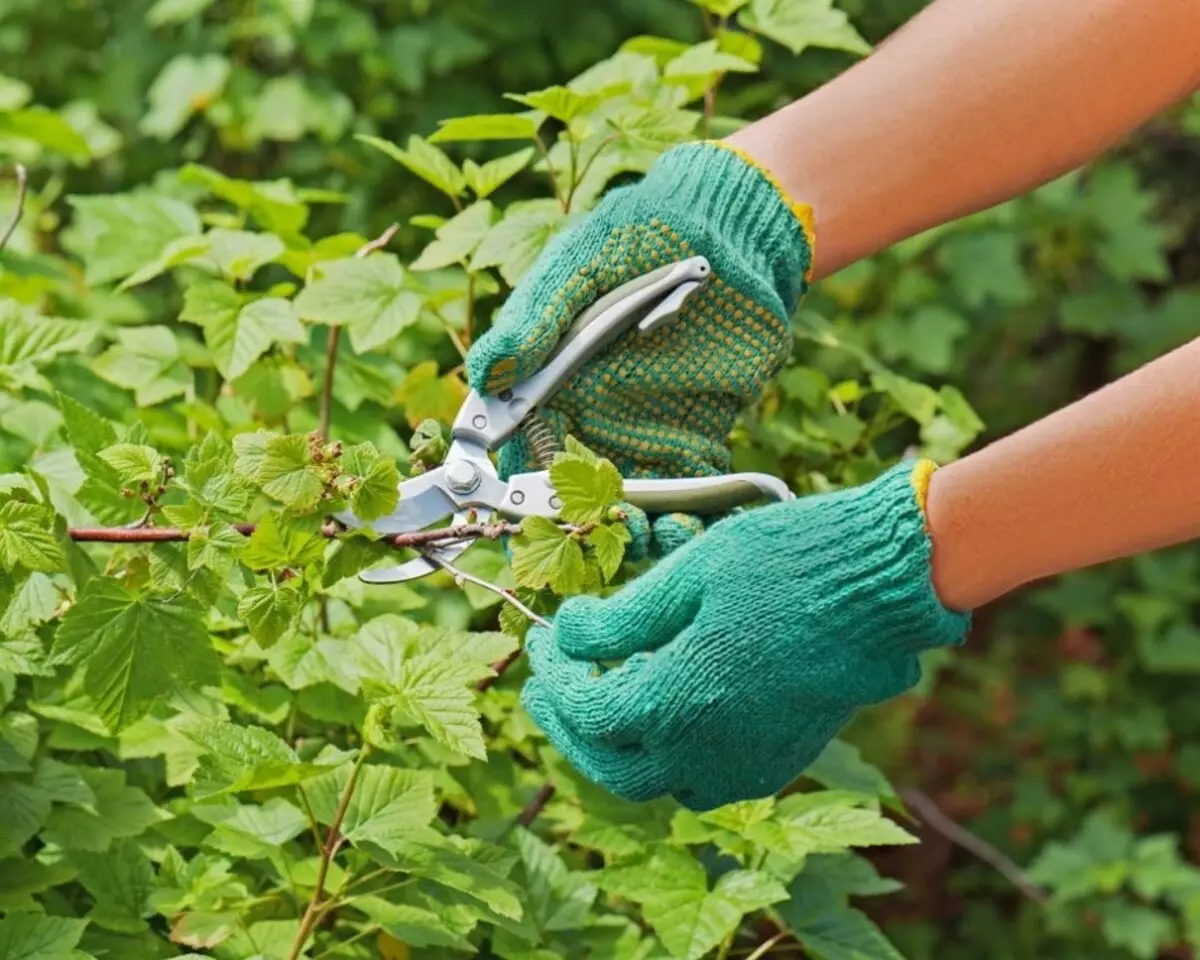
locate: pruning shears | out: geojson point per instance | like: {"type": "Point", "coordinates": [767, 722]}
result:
{"type": "Point", "coordinates": [466, 487]}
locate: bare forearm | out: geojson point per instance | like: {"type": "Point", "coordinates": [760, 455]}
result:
{"type": "Point", "coordinates": [972, 103]}
{"type": "Point", "coordinates": [1114, 474]}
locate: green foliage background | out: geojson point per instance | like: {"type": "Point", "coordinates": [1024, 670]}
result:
{"type": "Point", "coordinates": [179, 723]}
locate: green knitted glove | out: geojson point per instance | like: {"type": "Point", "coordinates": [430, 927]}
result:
{"type": "Point", "coordinates": [661, 404]}
{"type": "Point", "coordinates": [748, 649]}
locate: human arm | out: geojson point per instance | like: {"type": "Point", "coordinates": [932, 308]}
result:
{"type": "Point", "coordinates": [1114, 474]}
{"type": "Point", "coordinates": [971, 103]}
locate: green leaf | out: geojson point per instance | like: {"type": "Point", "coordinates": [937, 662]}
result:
{"type": "Point", "coordinates": [705, 59]}
{"type": "Point", "coordinates": [26, 809]}
{"type": "Point", "coordinates": [516, 241]}
{"type": "Point", "coordinates": [609, 542]}
{"type": "Point", "coordinates": [986, 266]}
{"type": "Point", "coordinates": [377, 490]}
{"type": "Point", "coordinates": [120, 882]}
{"type": "Point", "coordinates": [47, 129]}
{"type": "Point", "coordinates": [118, 811]}
{"type": "Point", "coordinates": [27, 538]}
{"type": "Point", "coordinates": [387, 803]}
{"type": "Point", "coordinates": [545, 555]}
{"type": "Point", "coordinates": [427, 396]}
{"type": "Point", "coordinates": [31, 936]}
{"type": "Point", "coordinates": [251, 830]}
{"type": "Point", "coordinates": [562, 103]}
{"type": "Point", "coordinates": [1140, 930]}
{"type": "Point", "coordinates": [117, 234]}
{"type": "Point", "coordinates": [915, 399]}
{"type": "Point", "coordinates": [136, 463]}
{"type": "Point", "coordinates": [840, 767]}
{"type": "Point", "coordinates": [425, 160]}
{"type": "Point", "coordinates": [237, 332]}
{"type": "Point", "coordinates": [238, 758]}
{"type": "Point", "coordinates": [282, 466]}
{"type": "Point", "coordinates": [488, 126]}
{"type": "Point", "coordinates": [148, 361]}
{"type": "Point", "coordinates": [797, 24]}
{"type": "Point", "coordinates": [722, 8]}
{"type": "Point", "coordinates": [278, 542]}
{"type": "Point", "coordinates": [433, 691]}
{"type": "Point", "coordinates": [29, 342]}
{"type": "Point", "coordinates": [186, 85]}
{"type": "Point", "coordinates": [18, 742]}
{"type": "Point", "coordinates": [587, 489]}
{"type": "Point", "coordinates": [486, 179]}
{"type": "Point", "coordinates": [271, 610]}
{"type": "Point", "coordinates": [368, 295]}
{"type": "Point", "coordinates": [841, 933]}
{"type": "Point", "coordinates": [558, 899]}
{"type": "Point", "coordinates": [175, 11]}
{"type": "Point", "coordinates": [239, 253]}
{"type": "Point", "coordinates": [133, 649]}
{"type": "Point", "coordinates": [457, 238]}
{"type": "Point", "coordinates": [673, 890]}
{"type": "Point", "coordinates": [826, 822]}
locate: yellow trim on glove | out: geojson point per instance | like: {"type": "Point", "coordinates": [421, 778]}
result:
{"type": "Point", "coordinates": [802, 211]}
{"type": "Point", "coordinates": [921, 475]}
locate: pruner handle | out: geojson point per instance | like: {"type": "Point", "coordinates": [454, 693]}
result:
{"type": "Point", "coordinates": [648, 301]}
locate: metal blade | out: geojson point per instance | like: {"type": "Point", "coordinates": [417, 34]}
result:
{"type": "Point", "coordinates": [421, 567]}
{"type": "Point", "coordinates": [422, 502]}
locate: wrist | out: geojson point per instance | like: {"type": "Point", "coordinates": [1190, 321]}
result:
{"type": "Point", "coordinates": [967, 570]}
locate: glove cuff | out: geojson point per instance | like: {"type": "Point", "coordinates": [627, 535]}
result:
{"type": "Point", "coordinates": [729, 192]}
{"type": "Point", "coordinates": [880, 562]}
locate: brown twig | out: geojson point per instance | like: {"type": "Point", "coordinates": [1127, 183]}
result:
{"type": "Point", "coordinates": [938, 821]}
{"type": "Point", "coordinates": [333, 843]}
{"type": "Point", "coordinates": [19, 212]}
{"type": "Point", "coordinates": [418, 538]}
{"type": "Point", "coordinates": [335, 336]}
{"type": "Point", "coordinates": [536, 805]}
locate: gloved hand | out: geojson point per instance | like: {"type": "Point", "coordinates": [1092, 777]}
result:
{"type": "Point", "coordinates": [746, 650]}
{"type": "Point", "coordinates": [661, 404]}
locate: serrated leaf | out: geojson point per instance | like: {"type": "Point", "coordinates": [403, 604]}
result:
{"type": "Point", "coordinates": [386, 805]}
{"type": "Point", "coordinates": [237, 332]}
{"type": "Point", "coordinates": [135, 462]}
{"type": "Point", "coordinates": [486, 126]}
{"type": "Point", "coordinates": [433, 691]}
{"type": "Point", "coordinates": [133, 649]}
{"type": "Point", "coordinates": [827, 822]}
{"type": "Point", "coordinates": [378, 488]}
{"type": "Point", "coordinates": [18, 742]}
{"type": "Point", "coordinates": [515, 242]}
{"type": "Point", "coordinates": [251, 830]}
{"type": "Point", "coordinates": [282, 466]}
{"type": "Point", "coordinates": [797, 24]}
{"type": "Point", "coordinates": [840, 767]}
{"type": "Point", "coordinates": [120, 882]}
{"type": "Point", "coordinates": [609, 542]}
{"type": "Point", "coordinates": [705, 59]}
{"type": "Point", "coordinates": [457, 238]}
{"type": "Point", "coordinates": [558, 899]}
{"type": "Point", "coordinates": [544, 555]}
{"type": "Point", "coordinates": [562, 103]}
{"type": "Point", "coordinates": [367, 295]}
{"type": "Point", "coordinates": [427, 396]}
{"type": "Point", "coordinates": [486, 179]}
{"type": "Point", "coordinates": [32, 936]}
{"type": "Point", "coordinates": [587, 488]}
{"type": "Point", "coordinates": [118, 811]}
{"type": "Point", "coordinates": [238, 757]}
{"type": "Point", "coordinates": [28, 342]}
{"type": "Point", "coordinates": [690, 919]}
{"type": "Point", "coordinates": [116, 234]}
{"type": "Point", "coordinates": [841, 933]}
{"type": "Point", "coordinates": [148, 361]}
{"type": "Point", "coordinates": [425, 160]}
{"type": "Point", "coordinates": [27, 538]}
{"type": "Point", "coordinates": [278, 542]}
{"type": "Point", "coordinates": [239, 253]}
{"type": "Point", "coordinates": [270, 610]}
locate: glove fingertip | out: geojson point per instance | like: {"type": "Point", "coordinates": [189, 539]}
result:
{"type": "Point", "coordinates": [673, 530]}
{"type": "Point", "coordinates": [638, 525]}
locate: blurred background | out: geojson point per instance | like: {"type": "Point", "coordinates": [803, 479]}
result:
{"type": "Point", "coordinates": [1067, 734]}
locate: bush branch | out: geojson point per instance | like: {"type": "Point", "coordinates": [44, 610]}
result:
{"type": "Point", "coordinates": [418, 538]}
{"type": "Point", "coordinates": [939, 822]}
{"type": "Point", "coordinates": [506, 595]}
{"type": "Point", "coordinates": [335, 336]}
{"type": "Point", "coordinates": [19, 212]}
{"type": "Point", "coordinates": [333, 843]}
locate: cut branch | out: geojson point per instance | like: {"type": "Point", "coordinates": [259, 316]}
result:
{"type": "Point", "coordinates": [335, 336]}
{"type": "Point", "coordinates": [506, 595]}
{"type": "Point", "coordinates": [22, 191]}
{"type": "Point", "coordinates": [938, 821]}
{"type": "Point", "coordinates": [418, 538]}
